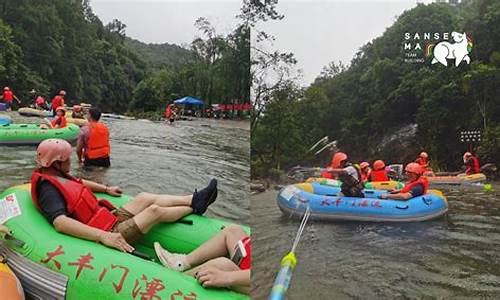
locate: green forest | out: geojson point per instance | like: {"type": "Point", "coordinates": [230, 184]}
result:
{"type": "Point", "coordinates": [61, 44]}
{"type": "Point", "coordinates": [360, 105]}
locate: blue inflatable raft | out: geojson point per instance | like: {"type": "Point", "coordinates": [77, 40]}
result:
{"type": "Point", "coordinates": [326, 205]}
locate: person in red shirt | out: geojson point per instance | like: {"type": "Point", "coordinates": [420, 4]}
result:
{"type": "Point", "coordinates": [60, 119]}
{"type": "Point", "coordinates": [57, 101]}
{"type": "Point", "coordinates": [8, 97]}
{"type": "Point", "coordinates": [471, 163]}
{"type": "Point", "coordinates": [222, 261]}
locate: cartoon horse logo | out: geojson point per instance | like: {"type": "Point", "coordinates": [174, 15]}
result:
{"type": "Point", "coordinates": [459, 50]}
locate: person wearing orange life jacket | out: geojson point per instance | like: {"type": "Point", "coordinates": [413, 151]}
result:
{"type": "Point", "coordinates": [60, 119]}
{"type": "Point", "coordinates": [8, 97]}
{"type": "Point", "coordinates": [69, 204]}
{"type": "Point", "coordinates": [57, 101]}
{"type": "Point", "coordinates": [416, 186]}
{"type": "Point", "coordinates": [379, 173]}
{"type": "Point", "coordinates": [169, 113]}
{"type": "Point", "coordinates": [471, 163]}
{"type": "Point", "coordinates": [365, 171]}
{"type": "Point", "coordinates": [348, 174]}
{"type": "Point", "coordinates": [93, 148]}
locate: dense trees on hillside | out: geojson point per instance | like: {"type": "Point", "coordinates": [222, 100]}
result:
{"type": "Point", "coordinates": [62, 44]}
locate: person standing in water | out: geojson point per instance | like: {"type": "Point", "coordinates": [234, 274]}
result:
{"type": "Point", "coordinates": [93, 147]}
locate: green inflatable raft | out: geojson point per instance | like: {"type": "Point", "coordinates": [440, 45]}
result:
{"type": "Point", "coordinates": [57, 266]}
{"type": "Point", "coordinates": [32, 134]}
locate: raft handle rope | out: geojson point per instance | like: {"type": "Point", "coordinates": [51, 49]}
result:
{"type": "Point", "coordinates": [288, 263]}
{"type": "Point", "coordinates": [141, 255]}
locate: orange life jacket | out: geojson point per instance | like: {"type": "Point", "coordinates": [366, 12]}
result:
{"type": "Point", "coordinates": [81, 203]}
{"type": "Point", "coordinates": [421, 180]}
{"type": "Point", "coordinates": [8, 96]}
{"type": "Point", "coordinates": [379, 175]}
{"type": "Point", "coordinates": [475, 168]}
{"type": "Point", "coordinates": [62, 122]}
{"type": "Point", "coordinates": [39, 100]}
{"type": "Point", "coordinates": [98, 143]}
{"type": "Point", "coordinates": [168, 112]}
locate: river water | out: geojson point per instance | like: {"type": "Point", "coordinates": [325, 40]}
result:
{"type": "Point", "coordinates": [160, 158]}
{"type": "Point", "coordinates": [456, 256]}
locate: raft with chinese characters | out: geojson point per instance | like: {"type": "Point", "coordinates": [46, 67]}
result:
{"type": "Point", "coordinates": [326, 205]}
{"type": "Point", "coordinates": [64, 267]}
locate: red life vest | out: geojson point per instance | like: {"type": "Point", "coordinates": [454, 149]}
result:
{"type": "Point", "coordinates": [168, 112]}
{"type": "Point", "coordinates": [475, 168]}
{"type": "Point", "coordinates": [98, 143]}
{"type": "Point", "coordinates": [421, 180]}
{"type": "Point", "coordinates": [81, 203]}
{"type": "Point", "coordinates": [57, 101]}
{"type": "Point", "coordinates": [59, 120]}
{"type": "Point", "coordinates": [379, 175]}
{"type": "Point", "coordinates": [8, 96]}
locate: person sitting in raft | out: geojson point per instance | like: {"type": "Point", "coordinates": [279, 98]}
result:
{"type": "Point", "coordinates": [222, 261]}
{"type": "Point", "coordinates": [417, 184]}
{"type": "Point", "coordinates": [40, 103]}
{"type": "Point", "coordinates": [471, 163]}
{"type": "Point", "coordinates": [379, 173]}
{"type": "Point", "coordinates": [365, 171]}
{"type": "Point", "coordinates": [93, 148]}
{"type": "Point", "coordinates": [77, 112]}
{"type": "Point", "coordinates": [69, 204]}
{"type": "Point", "coordinates": [348, 174]}
{"type": "Point", "coordinates": [60, 119]}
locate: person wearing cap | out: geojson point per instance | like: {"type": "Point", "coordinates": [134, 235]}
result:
{"type": "Point", "coordinates": [77, 112]}
{"type": "Point", "coordinates": [349, 174]}
{"type": "Point", "coordinates": [93, 147]}
{"type": "Point", "coordinates": [57, 101]}
{"type": "Point", "coordinates": [69, 204]}
{"type": "Point", "coordinates": [416, 186]}
{"type": "Point", "coordinates": [8, 97]}
{"type": "Point", "coordinates": [379, 173]}
{"type": "Point", "coordinates": [60, 119]}
{"type": "Point", "coordinates": [471, 163]}
{"type": "Point", "coordinates": [365, 171]}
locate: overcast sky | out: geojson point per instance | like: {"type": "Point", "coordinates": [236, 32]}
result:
{"type": "Point", "coordinates": [317, 32]}
{"type": "Point", "coordinates": [168, 21]}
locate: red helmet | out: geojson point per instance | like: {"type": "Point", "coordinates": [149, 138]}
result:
{"type": "Point", "coordinates": [52, 150]}
{"type": "Point", "coordinates": [364, 165]}
{"type": "Point", "coordinates": [414, 168]}
{"type": "Point", "coordinates": [62, 92]}
{"type": "Point", "coordinates": [338, 158]}
{"type": "Point", "coordinates": [424, 155]}
{"type": "Point", "coordinates": [379, 164]}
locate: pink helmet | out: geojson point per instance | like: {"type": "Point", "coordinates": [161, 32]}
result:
{"type": "Point", "coordinates": [424, 155]}
{"type": "Point", "coordinates": [338, 158]}
{"type": "Point", "coordinates": [466, 155]}
{"type": "Point", "coordinates": [378, 164]}
{"type": "Point", "coordinates": [364, 165]}
{"type": "Point", "coordinates": [52, 150]}
{"type": "Point", "coordinates": [6, 88]}
{"type": "Point", "coordinates": [62, 92]}
{"type": "Point", "coordinates": [414, 168]}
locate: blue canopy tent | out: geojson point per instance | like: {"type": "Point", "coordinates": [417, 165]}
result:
{"type": "Point", "coordinates": [189, 100]}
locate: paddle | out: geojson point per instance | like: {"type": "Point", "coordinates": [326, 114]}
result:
{"type": "Point", "coordinates": [288, 263]}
